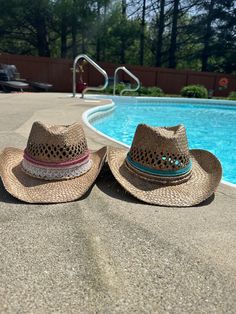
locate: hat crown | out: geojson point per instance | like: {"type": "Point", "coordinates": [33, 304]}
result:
{"type": "Point", "coordinates": [161, 148]}
{"type": "Point", "coordinates": [56, 143]}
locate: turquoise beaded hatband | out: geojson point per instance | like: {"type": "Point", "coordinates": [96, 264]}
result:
{"type": "Point", "coordinates": [164, 173]}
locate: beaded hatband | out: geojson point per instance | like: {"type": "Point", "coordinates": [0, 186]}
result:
{"type": "Point", "coordinates": [170, 176]}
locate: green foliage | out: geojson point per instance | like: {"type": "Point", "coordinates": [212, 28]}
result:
{"type": "Point", "coordinates": [108, 90]}
{"type": "Point", "coordinates": [152, 91]}
{"type": "Point", "coordinates": [143, 91]}
{"type": "Point", "coordinates": [119, 88]}
{"type": "Point", "coordinates": [155, 91]}
{"type": "Point", "coordinates": [232, 96]}
{"type": "Point", "coordinates": [65, 28]}
{"type": "Point", "coordinates": [24, 27]}
{"type": "Point", "coordinates": [194, 91]}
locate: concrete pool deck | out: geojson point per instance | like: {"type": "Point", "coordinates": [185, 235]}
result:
{"type": "Point", "coordinates": [108, 252]}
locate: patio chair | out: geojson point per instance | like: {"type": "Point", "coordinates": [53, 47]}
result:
{"type": "Point", "coordinates": [8, 85]}
{"type": "Point", "coordinates": [12, 73]}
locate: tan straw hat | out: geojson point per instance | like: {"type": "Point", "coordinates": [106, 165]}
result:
{"type": "Point", "coordinates": [160, 169]}
{"type": "Point", "coordinates": [55, 167]}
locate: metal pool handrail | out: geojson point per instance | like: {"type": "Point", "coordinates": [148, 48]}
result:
{"type": "Point", "coordinates": [96, 66]}
{"type": "Point", "coordinates": [125, 89]}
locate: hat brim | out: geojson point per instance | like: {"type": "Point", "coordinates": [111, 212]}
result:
{"type": "Point", "coordinates": [34, 190]}
{"type": "Point", "coordinates": [205, 177]}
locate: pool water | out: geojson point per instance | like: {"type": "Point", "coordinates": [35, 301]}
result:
{"type": "Point", "coordinates": [209, 126]}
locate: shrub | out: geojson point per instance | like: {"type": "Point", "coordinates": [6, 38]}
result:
{"type": "Point", "coordinates": [196, 91]}
{"type": "Point", "coordinates": [150, 91]}
{"type": "Point", "coordinates": [143, 91]}
{"type": "Point", "coordinates": [108, 90]}
{"type": "Point", "coordinates": [119, 88]}
{"type": "Point", "coordinates": [232, 96]}
{"type": "Point", "coordinates": [155, 91]}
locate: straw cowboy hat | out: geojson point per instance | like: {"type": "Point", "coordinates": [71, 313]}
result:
{"type": "Point", "coordinates": [160, 169]}
{"type": "Point", "coordinates": [55, 167]}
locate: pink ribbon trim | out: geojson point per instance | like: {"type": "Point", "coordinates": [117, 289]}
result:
{"type": "Point", "coordinates": [57, 164]}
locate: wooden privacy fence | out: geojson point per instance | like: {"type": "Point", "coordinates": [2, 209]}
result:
{"type": "Point", "coordinates": [58, 72]}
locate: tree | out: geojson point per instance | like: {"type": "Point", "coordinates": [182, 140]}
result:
{"type": "Point", "coordinates": [27, 22]}
{"type": "Point", "coordinates": [101, 10]}
{"type": "Point", "coordinates": [223, 40]}
{"type": "Point", "coordinates": [142, 30]}
{"type": "Point", "coordinates": [197, 34]}
{"type": "Point", "coordinates": [173, 39]}
{"type": "Point", "coordinates": [208, 33]}
{"type": "Point", "coordinates": [160, 32]}
{"type": "Point", "coordinates": [123, 35]}
{"type": "Point", "coordinates": [62, 23]}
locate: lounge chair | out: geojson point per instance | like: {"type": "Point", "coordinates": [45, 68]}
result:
{"type": "Point", "coordinates": [7, 85]}
{"type": "Point", "coordinates": [14, 76]}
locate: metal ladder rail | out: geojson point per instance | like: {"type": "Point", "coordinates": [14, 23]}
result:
{"type": "Point", "coordinates": [125, 89]}
{"type": "Point", "coordinates": [96, 66]}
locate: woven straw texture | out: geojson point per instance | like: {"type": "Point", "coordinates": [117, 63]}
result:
{"type": "Point", "coordinates": [34, 190]}
{"type": "Point", "coordinates": [205, 177]}
{"type": "Point", "coordinates": [160, 148]}
{"type": "Point", "coordinates": [56, 143]}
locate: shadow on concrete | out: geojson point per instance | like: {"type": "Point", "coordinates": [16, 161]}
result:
{"type": "Point", "coordinates": [6, 197]}
{"type": "Point", "coordinates": [108, 185]}
{"type": "Point", "coordinates": [207, 201]}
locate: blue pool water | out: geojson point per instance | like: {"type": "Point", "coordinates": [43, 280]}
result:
{"type": "Point", "coordinates": [209, 126]}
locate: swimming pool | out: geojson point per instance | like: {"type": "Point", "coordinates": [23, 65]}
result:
{"type": "Point", "coordinates": [210, 124]}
